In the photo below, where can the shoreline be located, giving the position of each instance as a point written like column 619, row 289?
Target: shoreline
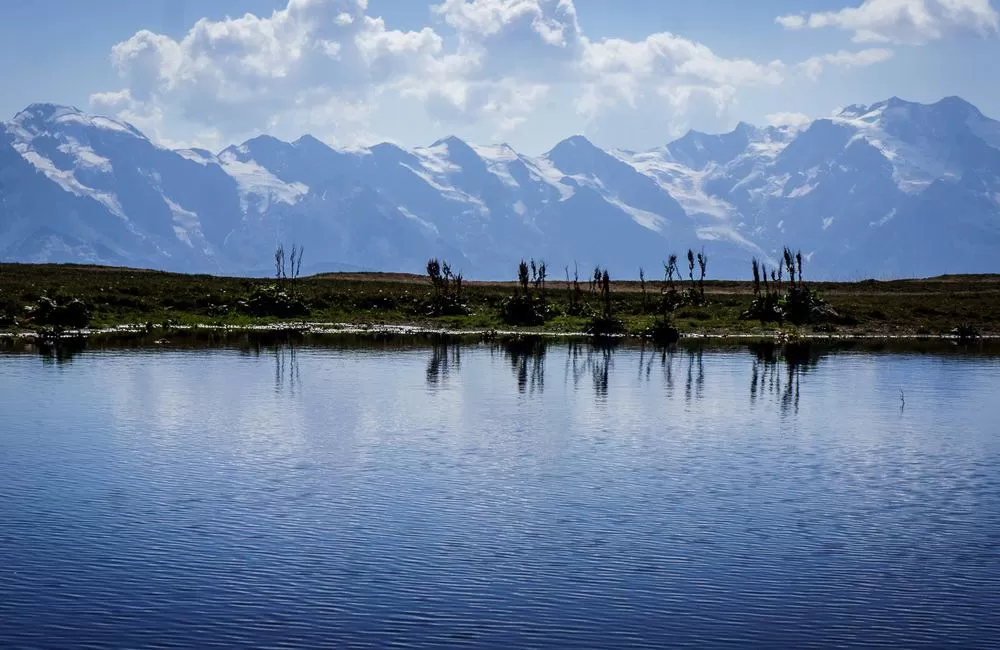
column 332, row 329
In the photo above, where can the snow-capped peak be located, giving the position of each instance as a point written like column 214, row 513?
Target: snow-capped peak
column 45, row 112
column 577, row 143
column 496, row 152
column 200, row 156
column 453, row 148
column 853, row 111
column 924, row 142
column 42, row 118
column 261, row 145
column 891, row 169
column 449, row 141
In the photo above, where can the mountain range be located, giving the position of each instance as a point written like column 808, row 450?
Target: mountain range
column 888, row 190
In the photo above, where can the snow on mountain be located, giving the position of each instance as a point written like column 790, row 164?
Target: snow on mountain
column 257, row 183
column 894, row 188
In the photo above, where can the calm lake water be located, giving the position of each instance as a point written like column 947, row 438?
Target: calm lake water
column 499, row 496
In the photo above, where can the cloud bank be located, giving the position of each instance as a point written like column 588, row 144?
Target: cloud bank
column 910, row 22
column 327, row 66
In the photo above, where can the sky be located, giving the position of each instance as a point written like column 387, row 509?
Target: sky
column 632, row 74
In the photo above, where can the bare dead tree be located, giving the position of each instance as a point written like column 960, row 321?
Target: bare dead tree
column 702, row 265
column 279, row 262
column 522, row 276
column 691, row 266
column 671, row 269
column 789, row 265
column 606, row 293
column 569, row 291
column 446, row 275
column 642, row 286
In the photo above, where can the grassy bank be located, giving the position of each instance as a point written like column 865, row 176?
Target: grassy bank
column 41, row 296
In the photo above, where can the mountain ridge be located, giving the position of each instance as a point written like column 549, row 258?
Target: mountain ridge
column 889, row 189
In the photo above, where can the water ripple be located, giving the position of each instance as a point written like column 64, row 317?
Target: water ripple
column 436, row 499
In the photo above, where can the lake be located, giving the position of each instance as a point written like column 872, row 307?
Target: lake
column 499, row 495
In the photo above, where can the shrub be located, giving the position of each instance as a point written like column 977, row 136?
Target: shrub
column 663, row 331
column 8, row 312
column 527, row 307
column 447, row 297
column 605, row 323
column 218, row 310
column 672, row 299
column 444, row 304
column 272, row 300
column 803, row 305
column 765, row 307
column 377, row 302
column 602, row 325
column 966, row 332
column 674, row 293
column 798, row 304
column 524, row 309
column 70, row 313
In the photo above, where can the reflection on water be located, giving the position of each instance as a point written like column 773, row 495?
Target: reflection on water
column 527, row 359
column 687, row 363
column 695, row 372
column 385, row 492
column 286, row 367
column 593, row 360
column 777, row 369
column 445, row 358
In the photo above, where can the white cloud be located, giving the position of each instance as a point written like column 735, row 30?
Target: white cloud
column 788, row 119
column 506, row 102
column 791, row 22
column 903, row 21
column 549, row 23
column 666, row 66
column 509, row 54
column 326, row 66
column 666, row 56
column 814, row 67
column 241, row 72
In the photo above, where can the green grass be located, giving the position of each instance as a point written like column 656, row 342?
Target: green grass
column 117, row 296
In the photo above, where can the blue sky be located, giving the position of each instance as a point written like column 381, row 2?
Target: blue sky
column 626, row 73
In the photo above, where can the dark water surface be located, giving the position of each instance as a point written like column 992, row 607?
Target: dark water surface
column 517, row 496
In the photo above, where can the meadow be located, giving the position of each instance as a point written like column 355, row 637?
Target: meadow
column 52, row 296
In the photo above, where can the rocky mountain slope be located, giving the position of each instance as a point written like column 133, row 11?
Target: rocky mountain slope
column 892, row 189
